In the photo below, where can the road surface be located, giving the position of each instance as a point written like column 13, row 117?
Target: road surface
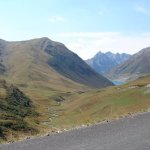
column 131, row 133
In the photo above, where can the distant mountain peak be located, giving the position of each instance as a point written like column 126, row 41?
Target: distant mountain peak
column 44, row 38
column 39, row 40
column 108, row 52
column 137, row 65
column 104, row 62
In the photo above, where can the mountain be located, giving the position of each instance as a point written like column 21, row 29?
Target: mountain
column 44, row 65
column 35, row 76
column 49, row 88
column 136, row 66
column 104, row 62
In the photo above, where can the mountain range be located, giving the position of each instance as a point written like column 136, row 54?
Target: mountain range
column 42, row 64
column 104, row 62
column 36, row 75
column 136, row 66
column 44, row 87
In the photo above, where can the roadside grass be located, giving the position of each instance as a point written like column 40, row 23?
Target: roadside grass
column 105, row 104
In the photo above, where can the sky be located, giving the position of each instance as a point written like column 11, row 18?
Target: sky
column 84, row 26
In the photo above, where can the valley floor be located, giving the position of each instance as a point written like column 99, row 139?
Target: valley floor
column 67, row 110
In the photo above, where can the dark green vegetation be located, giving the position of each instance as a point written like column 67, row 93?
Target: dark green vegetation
column 136, row 66
column 15, row 107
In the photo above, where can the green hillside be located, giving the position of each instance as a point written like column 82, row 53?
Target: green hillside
column 47, row 72
column 16, row 109
column 104, row 104
column 59, row 90
column 42, row 67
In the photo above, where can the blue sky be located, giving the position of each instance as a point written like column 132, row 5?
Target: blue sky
column 84, row 26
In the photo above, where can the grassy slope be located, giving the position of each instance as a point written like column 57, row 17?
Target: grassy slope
column 16, row 113
column 28, row 69
column 76, row 108
column 98, row 105
column 80, row 104
column 86, row 106
column 47, row 66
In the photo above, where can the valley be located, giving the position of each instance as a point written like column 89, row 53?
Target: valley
column 75, row 75
column 99, row 105
column 62, row 91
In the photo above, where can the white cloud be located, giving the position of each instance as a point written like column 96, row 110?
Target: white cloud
column 141, row 9
column 56, row 19
column 87, row 44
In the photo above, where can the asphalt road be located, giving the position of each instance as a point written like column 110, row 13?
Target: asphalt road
column 131, row 133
